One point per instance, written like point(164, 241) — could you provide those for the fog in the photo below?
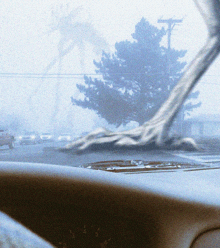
point(30, 42)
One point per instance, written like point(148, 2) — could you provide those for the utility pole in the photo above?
point(171, 24)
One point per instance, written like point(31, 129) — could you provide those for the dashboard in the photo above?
point(78, 207)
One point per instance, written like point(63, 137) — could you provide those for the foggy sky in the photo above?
point(27, 47)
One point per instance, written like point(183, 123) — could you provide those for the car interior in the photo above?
point(78, 207)
point(117, 204)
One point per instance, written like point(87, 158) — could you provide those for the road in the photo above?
point(47, 153)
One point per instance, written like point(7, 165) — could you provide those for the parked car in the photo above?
point(6, 139)
point(46, 137)
point(29, 138)
point(64, 137)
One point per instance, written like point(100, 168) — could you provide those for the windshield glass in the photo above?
point(69, 68)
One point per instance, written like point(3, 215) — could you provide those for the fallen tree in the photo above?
point(155, 131)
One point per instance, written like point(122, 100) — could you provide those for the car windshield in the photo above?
point(99, 72)
point(125, 91)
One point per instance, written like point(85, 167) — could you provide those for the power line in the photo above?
point(80, 75)
point(70, 75)
point(40, 75)
point(43, 74)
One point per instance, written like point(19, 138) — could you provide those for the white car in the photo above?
point(64, 137)
point(6, 139)
point(46, 137)
point(29, 138)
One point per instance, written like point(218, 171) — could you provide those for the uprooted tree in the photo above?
point(155, 131)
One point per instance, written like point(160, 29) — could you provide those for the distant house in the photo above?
point(203, 126)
